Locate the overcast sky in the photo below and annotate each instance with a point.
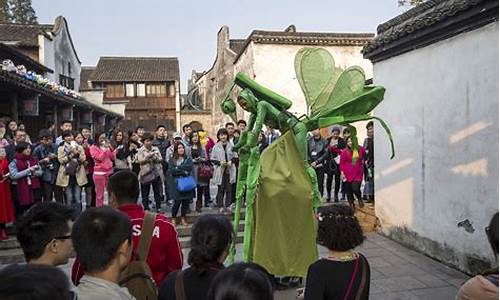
(187, 29)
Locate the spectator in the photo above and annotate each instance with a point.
(66, 125)
(368, 164)
(180, 165)
(139, 130)
(335, 144)
(208, 144)
(230, 133)
(11, 129)
(247, 281)
(177, 139)
(72, 175)
(271, 135)
(201, 165)
(162, 143)
(242, 125)
(187, 131)
(4, 143)
(19, 136)
(316, 156)
(344, 274)
(151, 174)
(485, 285)
(23, 128)
(211, 239)
(102, 238)
(44, 233)
(119, 143)
(103, 157)
(343, 190)
(261, 141)
(45, 154)
(165, 255)
(224, 169)
(6, 208)
(90, 194)
(24, 172)
(51, 127)
(352, 174)
(134, 145)
(44, 282)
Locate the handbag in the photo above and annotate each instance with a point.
(186, 184)
(71, 167)
(205, 171)
(148, 174)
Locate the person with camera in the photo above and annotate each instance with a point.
(103, 157)
(24, 173)
(45, 153)
(335, 144)
(151, 173)
(316, 155)
(72, 175)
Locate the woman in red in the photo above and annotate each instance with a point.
(352, 174)
(6, 208)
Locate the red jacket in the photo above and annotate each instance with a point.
(165, 254)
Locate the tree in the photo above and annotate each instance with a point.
(23, 12)
(5, 15)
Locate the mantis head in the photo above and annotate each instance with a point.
(248, 101)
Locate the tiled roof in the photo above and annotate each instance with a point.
(22, 34)
(19, 58)
(136, 69)
(237, 45)
(419, 18)
(85, 74)
(290, 37)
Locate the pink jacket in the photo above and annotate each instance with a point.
(352, 173)
(103, 160)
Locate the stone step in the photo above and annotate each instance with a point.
(186, 241)
(183, 231)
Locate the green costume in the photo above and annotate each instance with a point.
(280, 186)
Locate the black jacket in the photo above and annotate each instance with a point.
(316, 150)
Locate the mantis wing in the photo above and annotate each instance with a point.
(316, 72)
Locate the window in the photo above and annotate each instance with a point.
(69, 69)
(171, 90)
(156, 90)
(129, 90)
(141, 90)
(115, 91)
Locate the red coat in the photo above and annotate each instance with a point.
(6, 208)
(165, 254)
(352, 172)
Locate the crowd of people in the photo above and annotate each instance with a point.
(127, 248)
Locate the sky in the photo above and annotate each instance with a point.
(188, 29)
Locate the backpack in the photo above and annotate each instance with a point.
(137, 278)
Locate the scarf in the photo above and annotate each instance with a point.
(26, 185)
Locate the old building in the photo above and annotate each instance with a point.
(439, 64)
(148, 88)
(48, 51)
(268, 57)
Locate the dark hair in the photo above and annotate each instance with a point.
(369, 124)
(221, 131)
(191, 138)
(40, 225)
(338, 228)
(147, 136)
(125, 185)
(84, 127)
(50, 124)
(34, 282)
(22, 146)
(160, 126)
(242, 122)
(97, 135)
(139, 127)
(210, 237)
(44, 133)
(229, 124)
(246, 281)
(18, 130)
(66, 133)
(346, 130)
(98, 234)
(10, 121)
(186, 126)
(65, 122)
(176, 146)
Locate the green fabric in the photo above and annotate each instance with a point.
(284, 237)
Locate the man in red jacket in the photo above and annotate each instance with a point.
(165, 254)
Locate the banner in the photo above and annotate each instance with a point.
(30, 106)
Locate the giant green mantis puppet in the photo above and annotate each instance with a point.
(279, 185)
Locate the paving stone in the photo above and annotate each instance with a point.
(375, 274)
(376, 252)
(457, 282)
(432, 281)
(394, 296)
(401, 270)
(379, 262)
(396, 284)
(436, 293)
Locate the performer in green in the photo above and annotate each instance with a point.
(279, 185)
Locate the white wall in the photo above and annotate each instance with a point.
(96, 97)
(442, 105)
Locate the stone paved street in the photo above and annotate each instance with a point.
(400, 273)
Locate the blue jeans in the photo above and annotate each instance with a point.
(73, 194)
